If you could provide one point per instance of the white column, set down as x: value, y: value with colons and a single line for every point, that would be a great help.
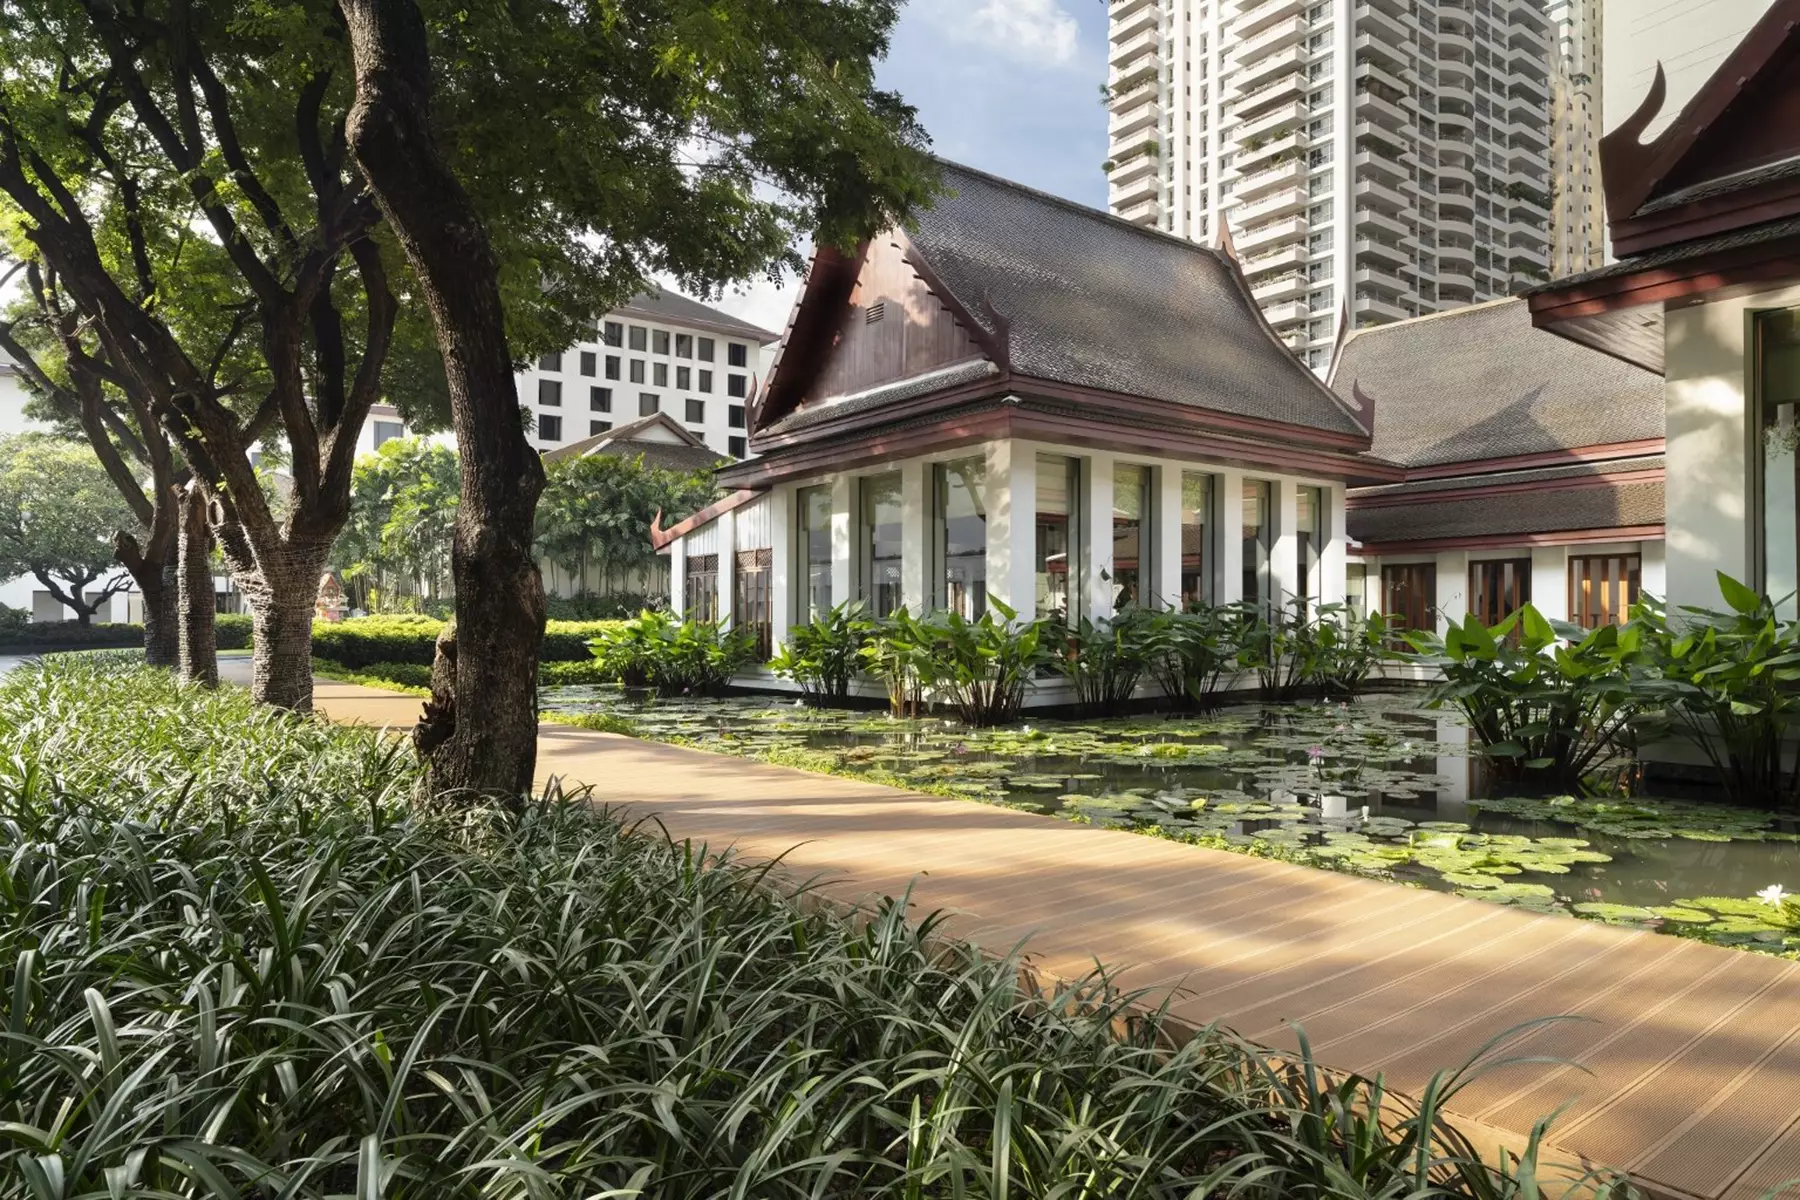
x: 1655, y: 579
x: 1166, y: 532
x: 1334, y: 558
x: 1550, y: 581
x: 1284, y: 547
x: 843, y: 540
x: 1012, y: 525
x: 1096, y: 522
x: 677, y: 575
x: 727, y: 524
x: 1452, y: 586
x: 1229, y: 587
x: 913, y: 544
x: 784, y: 563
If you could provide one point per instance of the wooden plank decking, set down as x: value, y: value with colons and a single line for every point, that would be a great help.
x: 1685, y: 1070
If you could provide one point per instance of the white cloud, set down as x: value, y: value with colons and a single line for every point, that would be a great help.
x: 1038, y: 31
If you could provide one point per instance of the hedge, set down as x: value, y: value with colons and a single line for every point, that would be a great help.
x: 362, y: 641
x: 233, y: 634
x: 418, y: 675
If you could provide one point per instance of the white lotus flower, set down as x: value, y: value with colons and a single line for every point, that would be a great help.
x: 1772, y: 895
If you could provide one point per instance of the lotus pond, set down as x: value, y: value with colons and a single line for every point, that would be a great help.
x: 1379, y: 787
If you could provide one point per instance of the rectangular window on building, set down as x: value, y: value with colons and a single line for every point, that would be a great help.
x: 813, y: 505
x: 684, y: 345
x: 734, y: 416
x: 659, y: 341
x: 1309, y: 544
x: 684, y: 378
x: 612, y: 366
x: 648, y: 405
x: 752, y: 597
x: 550, y: 392
x: 660, y: 373
x: 549, y: 428
x: 705, y: 381
x: 878, y: 508
x: 1498, y: 588
x: 959, y: 505
x: 696, y: 412
x: 704, y: 349
x: 1196, y: 540
x: 700, y: 588
x: 388, y: 431
x: 613, y: 333
x: 737, y: 355
x: 589, y: 363
x: 1258, y: 536
x: 637, y: 370
x: 600, y: 399
x: 1132, y: 537
x: 639, y: 337
x: 1603, y: 587
x: 1058, y: 552
x: 1777, y: 349
x: 596, y: 428
x: 734, y: 386
x: 737, y: 447
x: 1409, y: 596
x: 550, y: 362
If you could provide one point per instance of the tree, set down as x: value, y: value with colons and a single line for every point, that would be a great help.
x: 695, y: 136
x: 397, y: 541
x: 58, y: 512
x: 597, y: 510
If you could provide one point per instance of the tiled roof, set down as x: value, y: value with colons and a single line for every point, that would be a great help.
x: 1570, y: 471
x: 901, y: 389
x: 1585, y: 506
x: 1480, y: 382
x: 691, y: 454
x: 1095, y: 301
x: 677, y: 309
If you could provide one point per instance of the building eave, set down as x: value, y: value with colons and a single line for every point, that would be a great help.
x: 1501, y: 541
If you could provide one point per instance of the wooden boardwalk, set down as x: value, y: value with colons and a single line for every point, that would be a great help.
x: 1684, y: 1071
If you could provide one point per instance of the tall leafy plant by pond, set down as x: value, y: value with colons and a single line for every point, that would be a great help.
x: 677, y: 658
x: 981, y: 668
x: 1104, y: 660
x: 823, y: 655
x: 1190, y: 653
x: 1551, y: 703
x: 1730, y: 683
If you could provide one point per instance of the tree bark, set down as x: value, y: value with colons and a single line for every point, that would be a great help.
x: 281, y: 589
x: 198, y: 646
x: 499, y: 592
x: 162, y: 613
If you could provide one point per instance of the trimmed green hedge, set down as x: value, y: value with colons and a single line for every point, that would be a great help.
x: 39, y: 635
x: 362, y: 641
x: 232, y: 631
x: 418, y: 675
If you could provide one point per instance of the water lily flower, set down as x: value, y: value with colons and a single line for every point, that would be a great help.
x: 1315, y: 752
x: 1772, y: 895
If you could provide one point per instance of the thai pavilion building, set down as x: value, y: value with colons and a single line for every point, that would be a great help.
x: 1023, y: 400
x: 1534, y: 471
x: 1705, y: 219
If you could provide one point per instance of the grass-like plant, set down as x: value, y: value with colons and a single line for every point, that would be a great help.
x: 237, y: 964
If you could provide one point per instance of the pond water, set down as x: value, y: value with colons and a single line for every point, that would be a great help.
x: 1380, y: 786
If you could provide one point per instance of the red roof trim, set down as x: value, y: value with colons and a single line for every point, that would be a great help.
x: 1482, y: 491
x: 1548, y: 458
x: 660, y: 537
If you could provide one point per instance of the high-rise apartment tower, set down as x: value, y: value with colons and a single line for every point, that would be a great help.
x: 1578, y: 213
x: 1382, y: 157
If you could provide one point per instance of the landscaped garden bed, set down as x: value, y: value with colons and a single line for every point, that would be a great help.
x: 239, y: 961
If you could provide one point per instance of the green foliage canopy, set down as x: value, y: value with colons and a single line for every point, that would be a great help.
x: 58, y: 514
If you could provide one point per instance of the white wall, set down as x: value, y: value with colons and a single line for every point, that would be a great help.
x: 1549, y: 573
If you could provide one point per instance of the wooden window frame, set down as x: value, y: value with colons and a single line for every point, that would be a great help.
x: 753, y: 598
x: 1418, y: 616
x: 1621, y: 582
x: 1485, y: 590
x: 701, y: 608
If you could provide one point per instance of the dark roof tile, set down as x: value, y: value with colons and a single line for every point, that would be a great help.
x: 1638, y: 503
x: 678, y: 309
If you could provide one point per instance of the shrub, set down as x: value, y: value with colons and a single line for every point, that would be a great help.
x: 617, y: 606
x: 823, y: 654
x: 982, y: 668
x: 1104, y: 660
x: 12, y: 620
x: 408, y: 638
x: 1191, y: 652
x: 1272, y: 641
x: 240, y: 964
x: 232, y: 631
x: 1552, y: 702
x: 71, y: 635
x: 676, y: 657
x: 1338, y: 650
x: 573, y: 674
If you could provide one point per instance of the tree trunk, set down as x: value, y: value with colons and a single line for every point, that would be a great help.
x: 197, y: 644
x: 281, y: 590
x: 499, y: 593
x: 161, y: 590
x: 84, y: 612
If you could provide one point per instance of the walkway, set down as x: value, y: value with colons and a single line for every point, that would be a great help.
x: 1686, y: 1071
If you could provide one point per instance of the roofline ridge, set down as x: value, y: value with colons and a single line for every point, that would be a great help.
x: 724, y: 318
x: 1459, y: 310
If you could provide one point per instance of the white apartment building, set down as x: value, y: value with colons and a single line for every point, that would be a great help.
x: 1381, y: 158
x: 1578, y: 216
x: 662, y: 352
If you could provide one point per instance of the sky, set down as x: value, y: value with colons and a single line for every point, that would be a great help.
x: 1008, y: 86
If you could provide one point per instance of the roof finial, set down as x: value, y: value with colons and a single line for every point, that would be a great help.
x: 1225, y: 244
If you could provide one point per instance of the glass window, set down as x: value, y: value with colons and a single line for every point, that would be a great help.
x: 959, y: 491
x: 1309, y: 541
x: 549, y: 392
x: 736, y: 447
x: 388, y: 431
x: 814, y: 507
x: 659, y: 341
x: 684, y: 345
x: 596, y: 428
x: 590, y: 362
x: 1603, y: 587
x: 1131, y: 534
x: 1257, y: 532
x: 706, y: 381
x: 700, y: 588
x: 734, y: 416
x: 600, y: 399
x: 1498, y: 588
x: 684, y: 378
x: 637, y: 370
x: 640, y: 337
x: 1058, y: 537
x: 1778, y: 393
x: 614, y: 335
x: 1196, y: 540
x: 880, y: 516
x: 1409, y: 596
x: 549, y: 428
x: 660, y: 374
x: 696, y: 412
x: 706, y: 349
x: 751, y: 596
x: 737, y: 355
x: 734, y: 386
x: 612, y: 366
x: 647, y: 404
x: 550, y: 362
